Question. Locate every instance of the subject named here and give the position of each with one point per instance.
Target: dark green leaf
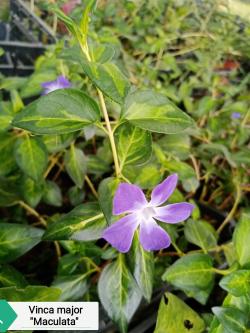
(142, 263)
(146, 176)
(73, 287)
(154, 112)
(61, 111)
(17, 239)
(176, 145)
(52, 194)
(9, 277)
(84, 222)
(31, 156)
(31, 191)
(232, 319)
(106, 193)
(57, 143)
(119, 293)
(134, 145)
(76, 195)
(106, 76)
(76, 165)
(7, 160)
(30, 294)
(8, 192)
(201, 234)
(241, 238)
(193, 274)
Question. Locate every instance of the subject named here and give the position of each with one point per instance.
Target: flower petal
(174, 213)
(63, 82)
(128, 198)
(153, 237)
(163, 191)
(120, 234)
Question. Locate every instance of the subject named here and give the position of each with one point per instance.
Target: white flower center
(147, 213)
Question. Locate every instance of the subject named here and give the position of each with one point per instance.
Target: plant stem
(225, 271)
(33, 212)
(91, 186)
(110, 133)
(106, 118)
(233, 210)
(178, 250)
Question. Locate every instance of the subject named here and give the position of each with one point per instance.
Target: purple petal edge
(174, 213)
(120, 234)
(163, 191)
(128, 198)
(153, 237)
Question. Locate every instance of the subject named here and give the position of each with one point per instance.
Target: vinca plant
(124, 168)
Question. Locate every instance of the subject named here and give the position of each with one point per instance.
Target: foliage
(158, 87)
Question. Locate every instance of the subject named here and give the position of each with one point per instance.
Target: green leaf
(240, 302)
(185, 172)
(84, 222)
(96, 165)
(30, 294)
(106, 191)
(142, 263)
(57, 143)
(33, 85)
(237, 283)
(9, 277)
(7, 161)
(31, 156)
(52, 194)
(106, 76)
(73, 287)
(76, 165)
(8, 192)
(17, 103)
(109, 79)
(154, 112)
(31, 191)
(146, 176)
(70, 24)
(119, 293)
(102, 53)
(218, 148)
(241, 239)
(17, 239)
(76, 195)
(176, 145)
(134, 145)
(174, 316)
(201, 234)
(61, 111)
(192, 274)
(231, 318)
(68, 263)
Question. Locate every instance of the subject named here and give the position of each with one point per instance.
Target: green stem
(110, 133)
(233, 210)
(178, 250)
(91, 186)
(33, 212)
(106, 118)
(225, 271)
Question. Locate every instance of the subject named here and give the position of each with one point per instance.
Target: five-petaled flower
(60, 83)
(130, 199)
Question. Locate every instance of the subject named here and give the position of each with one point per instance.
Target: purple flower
(60, 83)
(235, 115)
(130, 199)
